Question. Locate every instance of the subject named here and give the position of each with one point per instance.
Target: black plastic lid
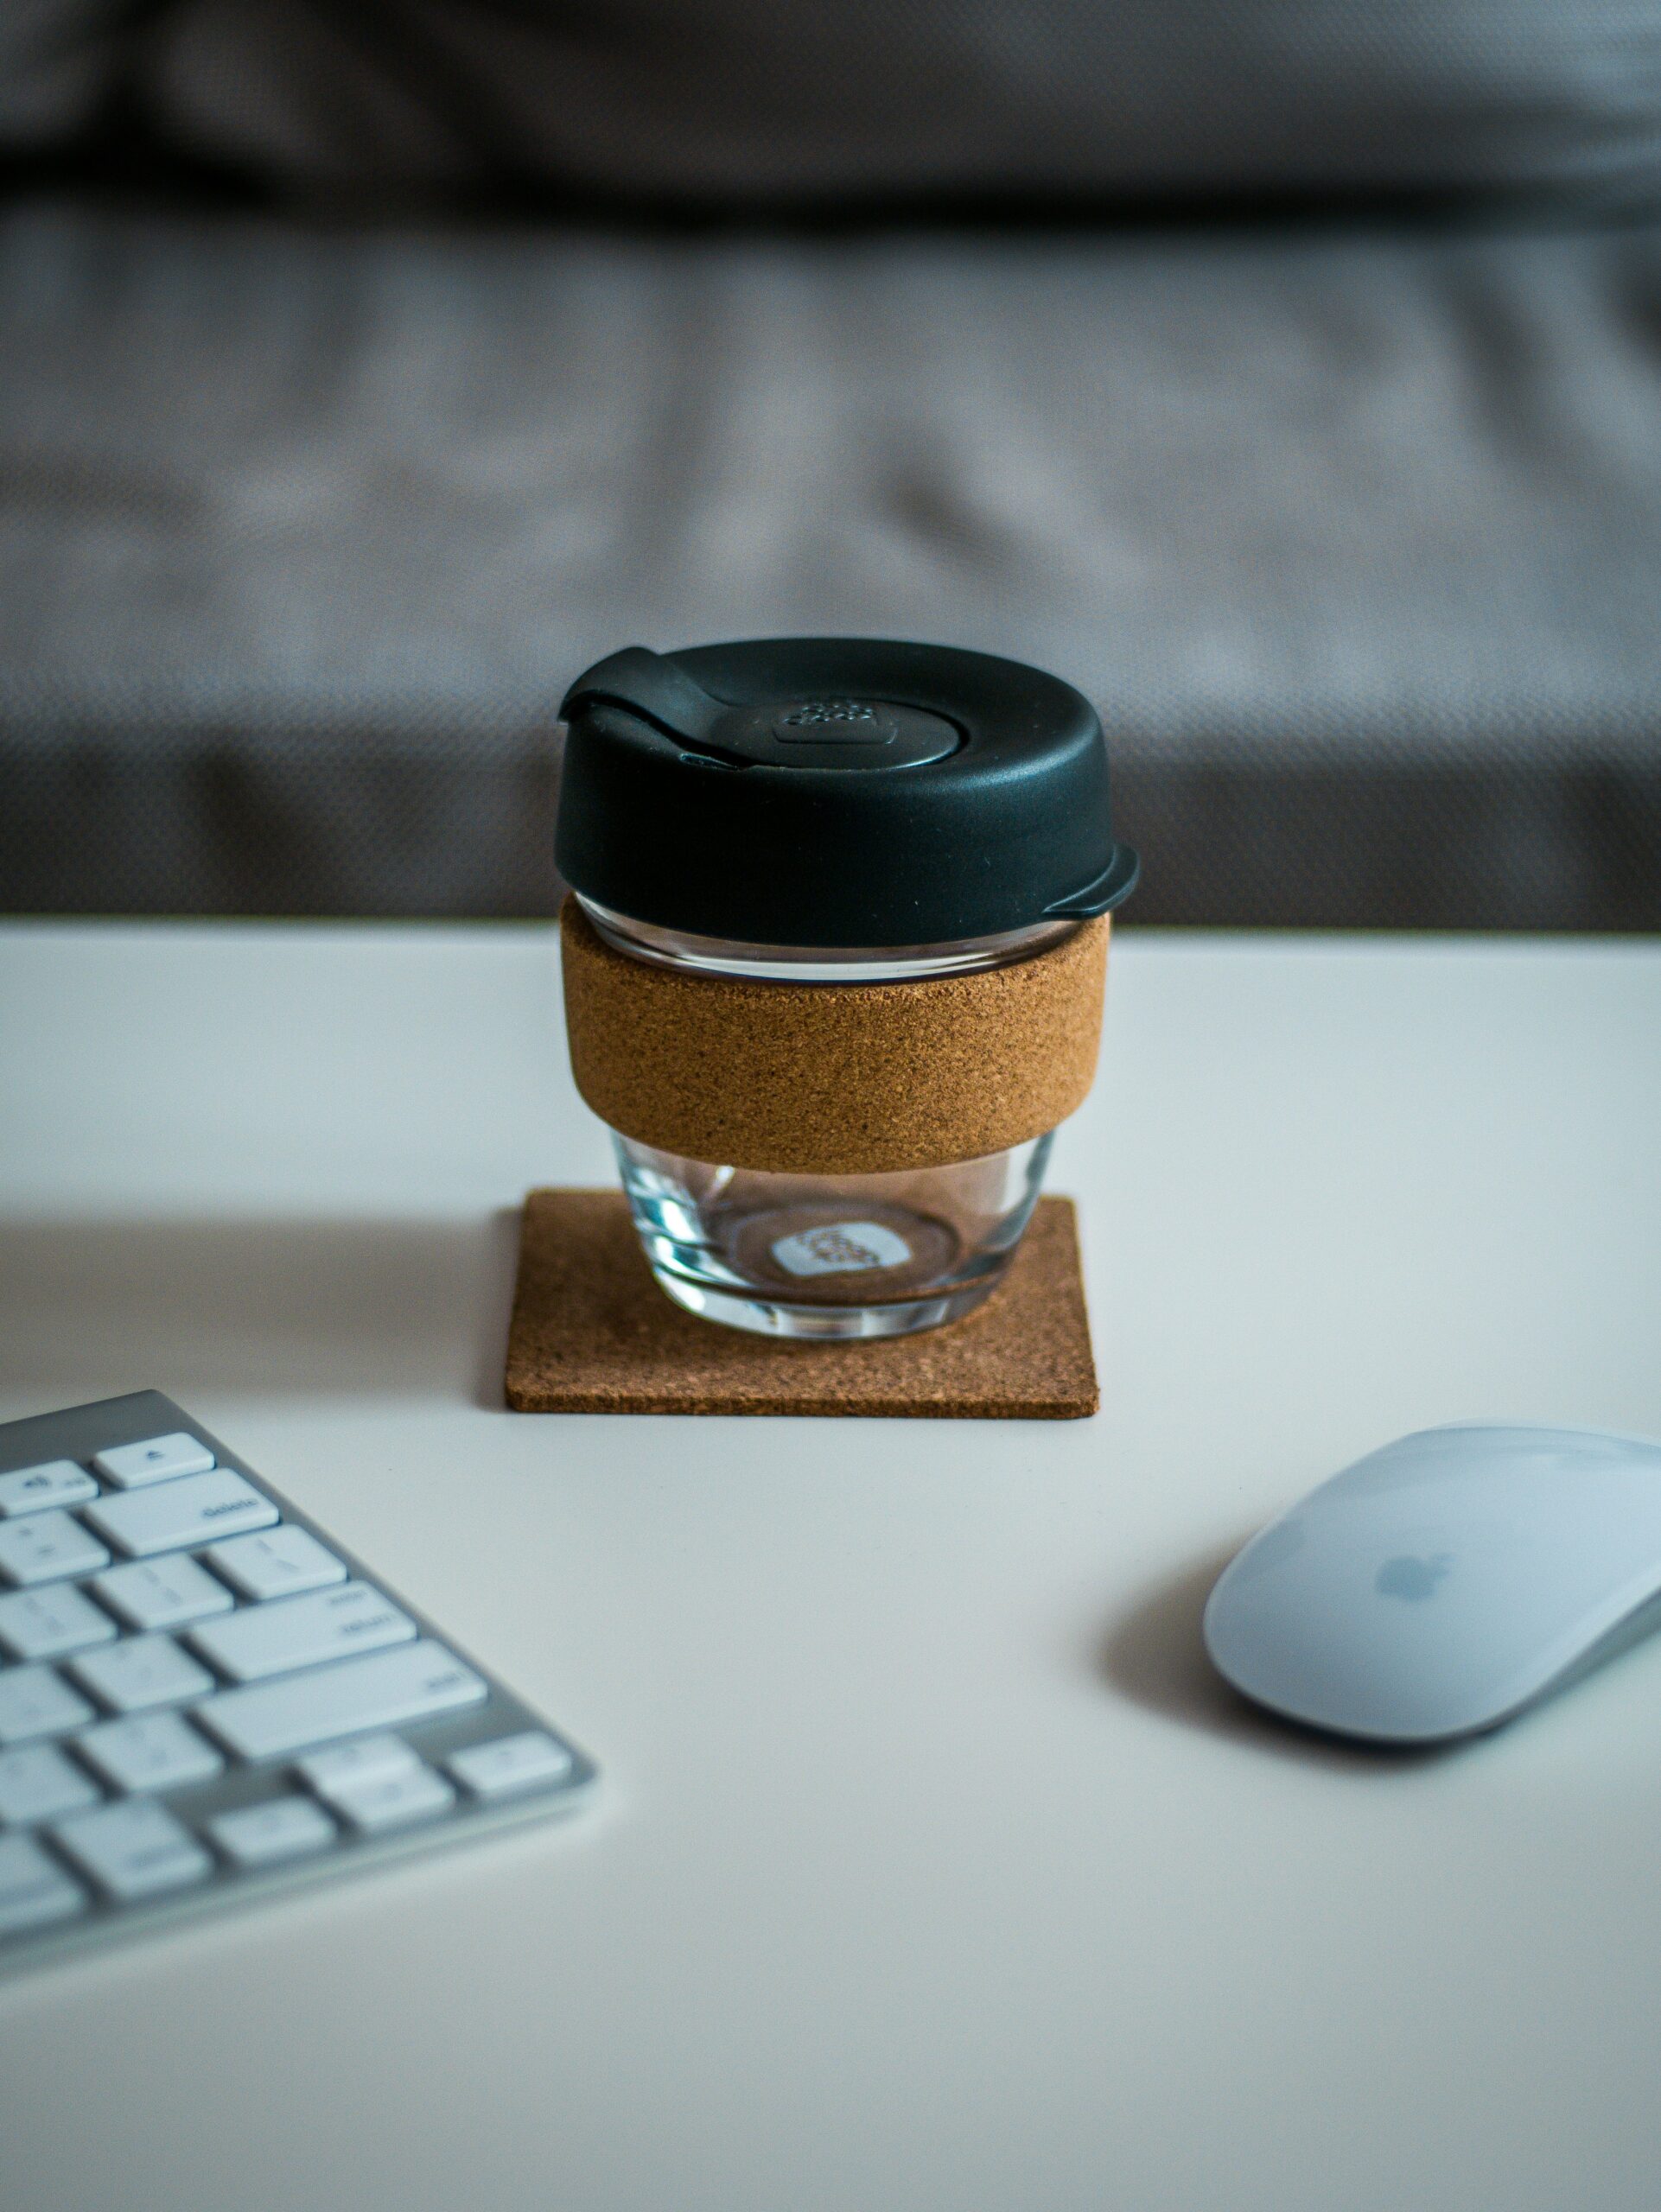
(835, 791)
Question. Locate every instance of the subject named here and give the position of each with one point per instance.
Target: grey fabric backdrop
(760, 100)
(1356, 541)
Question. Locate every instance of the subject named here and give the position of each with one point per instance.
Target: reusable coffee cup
(833, 963)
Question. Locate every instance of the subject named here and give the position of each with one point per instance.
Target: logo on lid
(834, 722)
(831, 710)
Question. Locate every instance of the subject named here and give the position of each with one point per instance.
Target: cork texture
(832, 1079)
(592, 1333)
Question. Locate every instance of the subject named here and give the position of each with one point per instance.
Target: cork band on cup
(832, 1079)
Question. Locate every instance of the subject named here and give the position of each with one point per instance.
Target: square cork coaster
(592, 1333)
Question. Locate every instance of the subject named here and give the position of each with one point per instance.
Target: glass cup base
(772, 1317)
(830, 1258)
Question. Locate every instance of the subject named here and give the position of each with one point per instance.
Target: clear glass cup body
(828, 1256)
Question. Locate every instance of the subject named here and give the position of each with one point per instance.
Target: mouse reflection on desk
(1436, 1587)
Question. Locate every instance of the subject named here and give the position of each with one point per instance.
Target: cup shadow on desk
(1154, 1655)
(90, 1307)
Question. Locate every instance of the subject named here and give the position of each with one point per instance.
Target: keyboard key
(175, 1513)
(134, 1849)
(157, 1459)
(57, 1482)
(393, 1801)
(274, 1720)
(34, 1889)
(38, 1783)
(45, 1547)
(531, 1761)
(143, 1671)
(160, 1593)
(42, 1623)
(285, 1828)
(293, 1632)
(37, 1701)
(367, 1759)
(153, 1750)
(279, 1564)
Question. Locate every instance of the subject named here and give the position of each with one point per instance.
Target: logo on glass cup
(846, 1248)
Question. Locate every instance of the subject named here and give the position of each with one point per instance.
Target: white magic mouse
(1439, 1585)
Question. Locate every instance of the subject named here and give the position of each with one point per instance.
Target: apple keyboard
(203, 1697)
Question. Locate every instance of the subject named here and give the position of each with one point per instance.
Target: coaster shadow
(277, 1306)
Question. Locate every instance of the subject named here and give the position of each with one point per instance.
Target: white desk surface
(933, 1872)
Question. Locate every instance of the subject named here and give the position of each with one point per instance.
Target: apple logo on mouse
(1410, 1577)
